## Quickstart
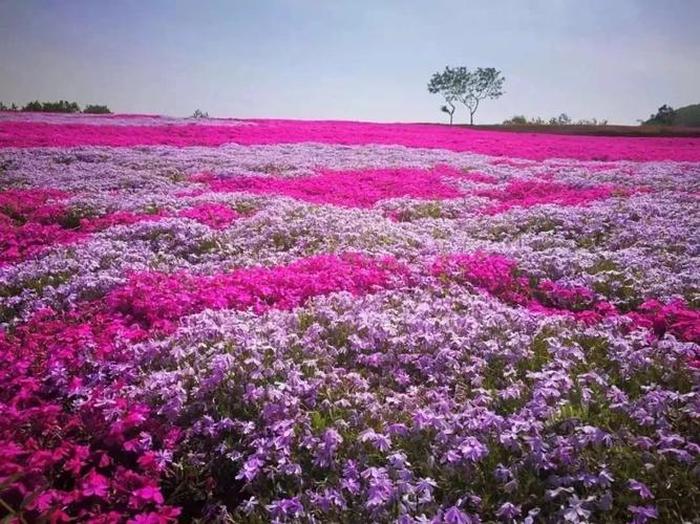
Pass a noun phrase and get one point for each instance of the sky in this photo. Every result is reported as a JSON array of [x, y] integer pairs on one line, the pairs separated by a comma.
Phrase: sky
[[351, 59]]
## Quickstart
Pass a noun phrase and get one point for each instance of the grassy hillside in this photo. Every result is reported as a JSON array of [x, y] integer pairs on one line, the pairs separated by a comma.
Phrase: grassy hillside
[[688, 116]]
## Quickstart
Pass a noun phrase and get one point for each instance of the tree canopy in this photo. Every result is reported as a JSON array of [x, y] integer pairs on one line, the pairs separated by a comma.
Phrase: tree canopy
[[461, 85], [96, 109], [62, 106], [665, 115]]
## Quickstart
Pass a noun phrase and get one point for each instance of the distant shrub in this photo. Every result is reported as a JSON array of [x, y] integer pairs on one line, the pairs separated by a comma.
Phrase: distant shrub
[[522, 120], [561, 120], [97, 109], [517, 120], [11, 107], [198, 113], [591, 122], [62, 106]]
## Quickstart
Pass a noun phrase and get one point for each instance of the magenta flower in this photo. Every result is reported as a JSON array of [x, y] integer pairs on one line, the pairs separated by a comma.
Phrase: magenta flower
[[146, 495], [95, 485]]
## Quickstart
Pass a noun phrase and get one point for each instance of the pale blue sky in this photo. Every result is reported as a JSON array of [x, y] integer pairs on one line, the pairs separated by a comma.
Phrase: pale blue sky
[[354, 59]]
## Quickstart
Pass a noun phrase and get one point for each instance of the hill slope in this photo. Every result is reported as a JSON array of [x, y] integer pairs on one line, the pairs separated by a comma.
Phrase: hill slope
[[688, 116]]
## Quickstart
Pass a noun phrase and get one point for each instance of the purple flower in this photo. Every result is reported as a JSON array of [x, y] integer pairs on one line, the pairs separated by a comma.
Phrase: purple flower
[[642, 490], [283, 508], [508, 511], [380, 489], [576, 511], [378, 440], [250, 469], [605, 478], [642, 514], [424, 490], [473, 450], [249, 505], [454, 515]]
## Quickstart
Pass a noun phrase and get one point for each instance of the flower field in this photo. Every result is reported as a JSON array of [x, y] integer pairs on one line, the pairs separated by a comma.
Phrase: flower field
[[295, 321]]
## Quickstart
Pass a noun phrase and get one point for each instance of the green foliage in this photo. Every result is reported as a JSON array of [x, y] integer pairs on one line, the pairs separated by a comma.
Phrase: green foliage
[[423, 210], [664, 116], [517, 120], [687, 116], [591, 122], [562, 120], [97, 109], [469, 88], [449, 108], [11, 107], [62, 106]]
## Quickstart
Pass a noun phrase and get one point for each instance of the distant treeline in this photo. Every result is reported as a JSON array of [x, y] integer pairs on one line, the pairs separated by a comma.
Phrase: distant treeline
[[561, 120], [687, 116], [62, 106]]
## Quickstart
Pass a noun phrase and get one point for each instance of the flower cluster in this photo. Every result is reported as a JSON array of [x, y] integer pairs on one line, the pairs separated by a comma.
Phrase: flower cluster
[[348, 188], [344, 322], [527, 193], [73, 444]]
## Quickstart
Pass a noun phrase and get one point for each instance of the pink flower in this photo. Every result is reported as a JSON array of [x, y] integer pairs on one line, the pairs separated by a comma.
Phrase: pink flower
[[528, 193], [362, 188], [217, 216], [95, 485], [165, 515], [146, 495]]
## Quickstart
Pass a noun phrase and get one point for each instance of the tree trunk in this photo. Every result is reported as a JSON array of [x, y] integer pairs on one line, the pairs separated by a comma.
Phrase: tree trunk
[[451, 118], [472, 111]]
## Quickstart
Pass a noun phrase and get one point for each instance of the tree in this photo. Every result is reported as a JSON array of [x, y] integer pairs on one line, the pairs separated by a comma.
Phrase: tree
[[198, 113], [459, 84], [562, 120], [62, 106], [516, 120], [97, 109], [449, 109], [34, 106], [665, 116], [448, 86]]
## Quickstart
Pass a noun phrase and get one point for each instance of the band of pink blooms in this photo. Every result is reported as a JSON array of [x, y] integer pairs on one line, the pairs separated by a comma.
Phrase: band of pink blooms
[[531, 146]]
